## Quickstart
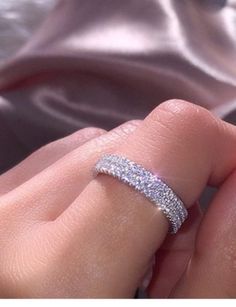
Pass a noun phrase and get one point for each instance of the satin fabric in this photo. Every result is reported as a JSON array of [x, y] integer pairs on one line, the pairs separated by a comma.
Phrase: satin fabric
[[100, 63], [19, 19]]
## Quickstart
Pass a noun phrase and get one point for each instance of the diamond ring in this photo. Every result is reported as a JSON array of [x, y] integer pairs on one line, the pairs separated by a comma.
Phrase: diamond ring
[[147, 183]]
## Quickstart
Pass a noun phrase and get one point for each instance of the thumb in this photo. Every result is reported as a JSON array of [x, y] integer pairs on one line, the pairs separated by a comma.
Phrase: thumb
[[118, 230], [211, 272]]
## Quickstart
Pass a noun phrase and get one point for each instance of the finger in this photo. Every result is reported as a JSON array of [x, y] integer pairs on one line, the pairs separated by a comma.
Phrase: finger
[[173, 256], [177, 141], [46, 195], [211, 271], [44, 157]]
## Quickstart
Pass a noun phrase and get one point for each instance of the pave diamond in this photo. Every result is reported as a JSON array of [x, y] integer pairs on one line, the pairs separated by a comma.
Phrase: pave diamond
[[142, 180]]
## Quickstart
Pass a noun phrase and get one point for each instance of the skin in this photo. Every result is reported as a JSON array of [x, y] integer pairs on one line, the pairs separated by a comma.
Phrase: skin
[[64, 233]]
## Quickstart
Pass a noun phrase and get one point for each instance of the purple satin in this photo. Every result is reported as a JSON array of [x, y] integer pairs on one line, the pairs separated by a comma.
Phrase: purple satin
[[100, 63]]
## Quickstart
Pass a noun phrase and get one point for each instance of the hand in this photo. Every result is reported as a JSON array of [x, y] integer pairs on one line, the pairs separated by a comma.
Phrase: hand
[[65, 234]]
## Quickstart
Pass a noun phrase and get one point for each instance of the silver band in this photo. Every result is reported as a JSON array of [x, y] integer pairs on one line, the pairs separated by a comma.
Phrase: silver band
[[142, 180]]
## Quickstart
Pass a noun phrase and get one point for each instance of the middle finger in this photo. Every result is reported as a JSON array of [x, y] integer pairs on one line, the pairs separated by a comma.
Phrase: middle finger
[[47, 194]]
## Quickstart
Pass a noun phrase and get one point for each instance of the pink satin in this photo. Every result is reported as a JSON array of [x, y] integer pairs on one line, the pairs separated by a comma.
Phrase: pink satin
[[100, 63]]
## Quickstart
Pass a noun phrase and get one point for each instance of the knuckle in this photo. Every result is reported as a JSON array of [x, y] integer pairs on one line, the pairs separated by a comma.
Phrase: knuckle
[[116, 135], [178, 107], [80, 135], [127, 127], [181, 116], [89, 132], [134, 122], [76, 138]]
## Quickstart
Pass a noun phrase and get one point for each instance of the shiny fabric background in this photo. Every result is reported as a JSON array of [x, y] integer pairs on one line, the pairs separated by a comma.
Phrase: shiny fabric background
[[19, 19], [100, 63]]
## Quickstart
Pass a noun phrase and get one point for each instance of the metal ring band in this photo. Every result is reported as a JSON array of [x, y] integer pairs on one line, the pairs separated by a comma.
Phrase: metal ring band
[[142, 180]]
